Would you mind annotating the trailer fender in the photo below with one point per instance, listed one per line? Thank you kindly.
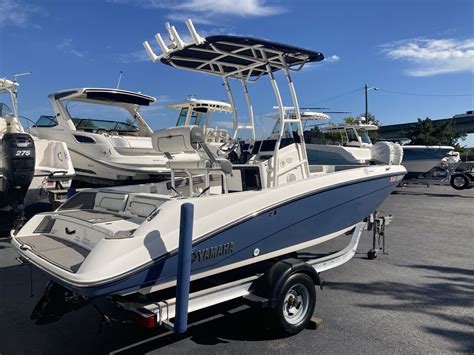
(268, 286)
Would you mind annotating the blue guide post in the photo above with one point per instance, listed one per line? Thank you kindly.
(184, 267)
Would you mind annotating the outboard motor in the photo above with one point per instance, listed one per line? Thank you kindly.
(387, 153)
(18, 155)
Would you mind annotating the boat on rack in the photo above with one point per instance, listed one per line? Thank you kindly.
(118, 152)
(29, 167)
(268, 205)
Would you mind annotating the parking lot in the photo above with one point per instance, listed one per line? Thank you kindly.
(417, 299)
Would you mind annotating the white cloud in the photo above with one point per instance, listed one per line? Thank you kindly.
(134, 57)
(231, 7)
(67, 46)
(333, 58)
(201, 10)
(15, 13)
(430, 57)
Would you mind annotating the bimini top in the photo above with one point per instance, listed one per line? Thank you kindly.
(104, 96)
(344, 126)
(206, 105)
(230, 56)
(312, 116)
(305, 116)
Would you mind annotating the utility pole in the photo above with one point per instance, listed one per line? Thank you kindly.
(366, 87)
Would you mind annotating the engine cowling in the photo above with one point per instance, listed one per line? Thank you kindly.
(387, 153)
(18, 161)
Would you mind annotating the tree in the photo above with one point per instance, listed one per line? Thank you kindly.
(427, 132)
(349, 120)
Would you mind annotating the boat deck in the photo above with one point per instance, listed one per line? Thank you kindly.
(60, 252)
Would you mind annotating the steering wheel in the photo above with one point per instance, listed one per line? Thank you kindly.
(228, 147)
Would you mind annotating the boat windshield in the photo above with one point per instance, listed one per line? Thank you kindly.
(46, 121)
(84, 200)
(105, 117)
(87, 124)
(5, 111)
(198, 117)
(363, 134)
(289, 132)
(351, 135)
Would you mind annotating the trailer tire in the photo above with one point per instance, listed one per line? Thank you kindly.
(459, 181)
(295, 304)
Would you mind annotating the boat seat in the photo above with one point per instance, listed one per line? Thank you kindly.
(144, 206)
(188, 139)
(109, 202)
(177, 139)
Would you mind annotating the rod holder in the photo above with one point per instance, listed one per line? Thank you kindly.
(192, 31)
(177, 39)
(174, 36)
(151, 54)
(162, 44)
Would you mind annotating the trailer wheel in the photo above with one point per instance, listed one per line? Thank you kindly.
(295, 304)
(459, 181)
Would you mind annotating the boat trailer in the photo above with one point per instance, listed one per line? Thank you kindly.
(459, 176)
(270, 289)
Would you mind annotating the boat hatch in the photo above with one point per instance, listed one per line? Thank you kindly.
(60, 252)
(93, 216)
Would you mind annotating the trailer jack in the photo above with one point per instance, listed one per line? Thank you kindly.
(377, 224)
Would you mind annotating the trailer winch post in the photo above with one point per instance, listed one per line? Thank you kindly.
(184, 267)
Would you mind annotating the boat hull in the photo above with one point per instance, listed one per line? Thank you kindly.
(421, 159)
(292, 225)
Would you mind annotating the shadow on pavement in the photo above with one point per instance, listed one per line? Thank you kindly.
(217, 325)
(223, 323)
(451, 287)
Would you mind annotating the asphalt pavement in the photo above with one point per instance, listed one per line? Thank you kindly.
(419, 298)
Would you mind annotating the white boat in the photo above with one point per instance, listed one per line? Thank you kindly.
(199, 112)
(420, 159)
(123, 240)
(116, 152)
(349, 144)
(29, 166)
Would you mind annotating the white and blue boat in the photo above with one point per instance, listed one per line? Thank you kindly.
(420, 159)
(344, 145)
(267, 205)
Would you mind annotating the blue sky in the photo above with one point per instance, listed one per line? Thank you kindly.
(411, 46)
